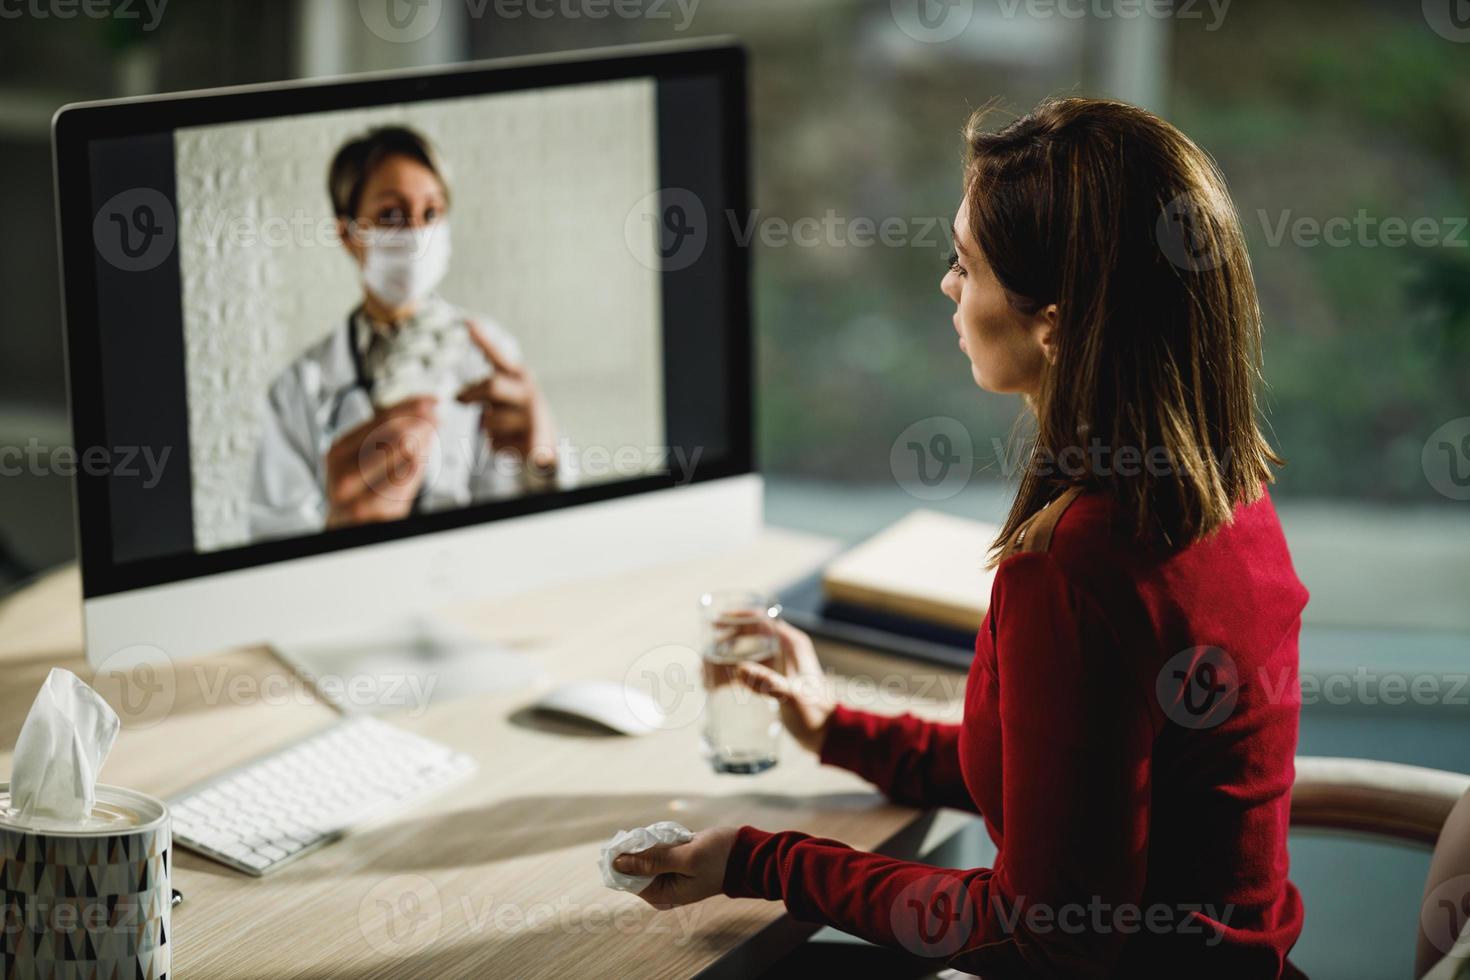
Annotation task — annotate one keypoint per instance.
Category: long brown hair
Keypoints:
(1119, 219)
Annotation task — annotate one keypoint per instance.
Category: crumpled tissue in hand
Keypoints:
(61, 748)
(633, 841)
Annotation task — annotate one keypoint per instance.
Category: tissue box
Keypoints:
(91, 899)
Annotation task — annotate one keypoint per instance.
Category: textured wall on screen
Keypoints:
(541, 184)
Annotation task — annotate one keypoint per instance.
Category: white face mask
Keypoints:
(403, 266)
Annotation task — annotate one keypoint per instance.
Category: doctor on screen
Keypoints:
(410, 404)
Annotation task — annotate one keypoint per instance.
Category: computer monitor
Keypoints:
(342, 352)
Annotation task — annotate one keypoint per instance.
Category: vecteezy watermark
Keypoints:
(386, 461)
(937, 21)
(664, 687)
(834, 230)
(405, 914)
(408, 21)
(148, 11)
(136, 229)
(401, 915)
(667, 687)
(1364, 686)
(1363, 230)
(936, 915)
(23, 912)
(1446, 459)
(122, 462)
(1215, 10)
(933, 459)
(1445, 913)
(932, 21)
(216, 228)
(386, 690)
(1198, 688)
(669, 229)
(139, 682)
(401, 21)
(1098, 459)
(1450, 19)
(1185, 237)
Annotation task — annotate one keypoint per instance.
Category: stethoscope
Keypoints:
(361, 381)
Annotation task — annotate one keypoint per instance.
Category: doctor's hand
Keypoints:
(375, 470)
(515, 415)
(686, 873)
(799, 686)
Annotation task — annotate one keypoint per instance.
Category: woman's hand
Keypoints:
(686, 873)
(375, 470)
(515, 413)
(800, 687)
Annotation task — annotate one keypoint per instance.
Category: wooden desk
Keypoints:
(497, 878)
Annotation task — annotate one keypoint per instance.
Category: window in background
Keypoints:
(72, 53)
(1315, 111)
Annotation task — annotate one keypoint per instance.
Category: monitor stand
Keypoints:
(405, 665)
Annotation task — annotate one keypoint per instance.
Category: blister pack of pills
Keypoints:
(431, 354)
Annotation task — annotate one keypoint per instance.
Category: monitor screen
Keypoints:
(310, 318)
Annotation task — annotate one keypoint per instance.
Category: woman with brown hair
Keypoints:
(1131, 712)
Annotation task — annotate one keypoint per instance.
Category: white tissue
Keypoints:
(61, 748)
(633, 841)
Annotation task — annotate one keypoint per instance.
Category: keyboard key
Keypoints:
(268, 812)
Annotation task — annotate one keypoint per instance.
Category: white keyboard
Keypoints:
(279, 807)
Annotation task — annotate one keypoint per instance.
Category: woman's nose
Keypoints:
(949, 287)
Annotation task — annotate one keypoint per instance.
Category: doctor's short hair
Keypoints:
(359, 157)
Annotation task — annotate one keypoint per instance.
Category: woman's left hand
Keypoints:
(515, 414)
(686, 873)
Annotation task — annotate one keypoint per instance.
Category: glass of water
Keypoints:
(742, 728)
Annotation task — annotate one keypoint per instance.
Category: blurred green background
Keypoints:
(1316, 111)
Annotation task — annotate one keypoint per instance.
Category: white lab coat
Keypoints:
(322, 395)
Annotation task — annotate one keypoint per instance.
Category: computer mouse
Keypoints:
(606, 703)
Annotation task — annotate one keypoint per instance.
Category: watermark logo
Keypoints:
(407, 21)
(1363, 230)
(139, 682)
(400, 916)
(934, 458)
(1445, 915)
(671, 677)
(1446, 459)
(932, 21)
(399, 456)
(131, 10)
(1106, 10)
(1184, 236)
(833, 230)
(1450, 19)
(934, 916)
(667, 230)
(1199, 687)
(135, 230)
(143, 463)
(401, 21)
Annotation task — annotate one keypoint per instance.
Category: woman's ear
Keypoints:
(346, 233)
(1044, 329)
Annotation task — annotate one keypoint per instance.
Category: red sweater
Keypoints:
(1129, 732)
